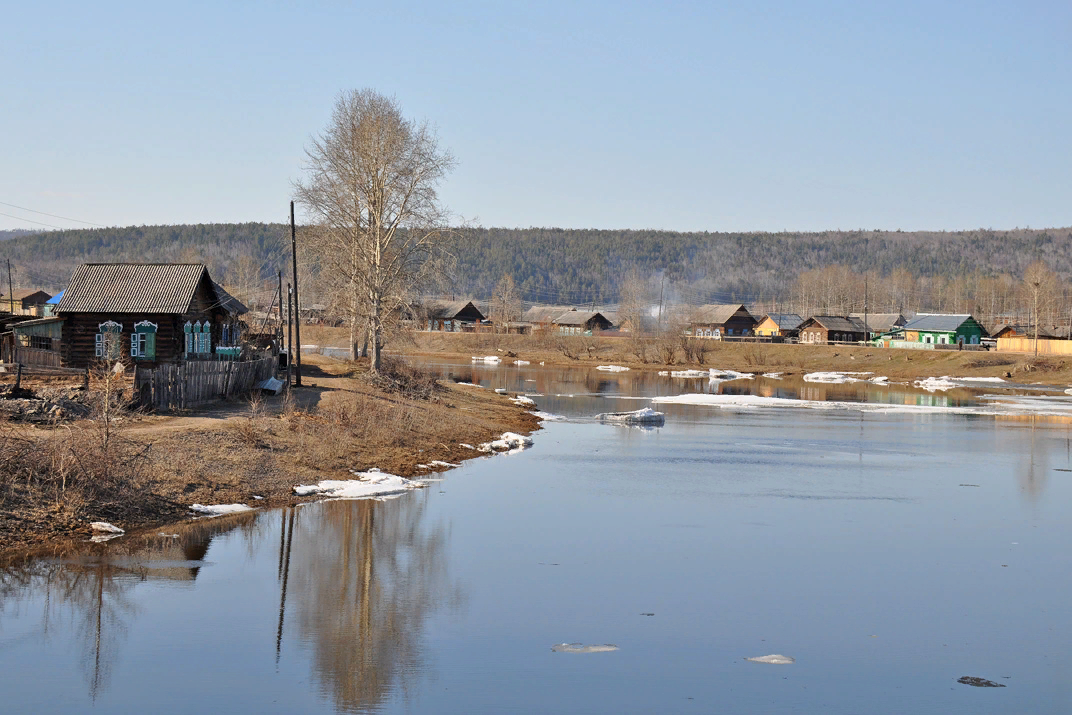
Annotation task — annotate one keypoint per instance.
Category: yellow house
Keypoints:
(784, 325)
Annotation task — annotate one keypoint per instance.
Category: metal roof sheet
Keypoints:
(840, 323)
(132, 288)
(716, 314)
(937, 322)
(880, 322)
(577, 317)
(785, 321)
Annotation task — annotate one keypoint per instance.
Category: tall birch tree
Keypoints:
(371, 189)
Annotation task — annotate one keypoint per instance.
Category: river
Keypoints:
(891, 544)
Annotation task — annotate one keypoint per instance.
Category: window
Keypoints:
(143, 341)
(106, 341)
(198, 337)
(204, 342)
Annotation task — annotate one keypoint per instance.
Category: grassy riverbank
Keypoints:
(745, 357)
(145, 471)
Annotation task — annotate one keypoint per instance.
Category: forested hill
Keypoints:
(576, 265)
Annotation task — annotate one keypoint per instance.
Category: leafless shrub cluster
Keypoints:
(695, 349)
(399, 377)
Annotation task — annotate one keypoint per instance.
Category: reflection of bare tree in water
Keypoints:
(366, 575)
(86, 596)
(1035, 469)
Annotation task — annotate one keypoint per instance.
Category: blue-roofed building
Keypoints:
(51, 303)
(944, 329)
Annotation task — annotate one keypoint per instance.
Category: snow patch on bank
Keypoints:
(509, 442)
(368, 485)
(523, 401)
(935, 384)
(220, 509)
(106, 527)
(522, 362)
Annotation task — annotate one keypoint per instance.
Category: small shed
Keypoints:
(944, 329)
(785, 325)
(580, 322)
(720, 320)
(832, 328)
(146, 313)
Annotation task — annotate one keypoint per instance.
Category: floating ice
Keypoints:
(548, 417)
(500, 390)
(935, 384)
(833, 377)
(772, 375)
(880, 380)
(367, 485)
(977, 379)
(219, 509)
(727, 375)
(508, 441)
(687, 373)
(773, 659)
(610, 368)
(106, 527)
(490, 359)
(441, 463)
(469, 384)
(579, 648)
(521, 362)
(644, 415)
(523, 401)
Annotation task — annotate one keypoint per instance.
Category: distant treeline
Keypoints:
(581, 266)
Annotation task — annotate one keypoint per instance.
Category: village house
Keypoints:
(146, 314)
(580, 322)
(455, 316)
(944, 329)
(779, 325)
(880, 323)
(832, 328)
(717, 321)
(27, 302)
(1005, 330)
(541, 317)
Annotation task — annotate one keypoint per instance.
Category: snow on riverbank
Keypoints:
(509, 442)
(368, 485)
(523, 401)
(220, 509)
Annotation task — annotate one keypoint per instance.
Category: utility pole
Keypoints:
(297, 317)
(290, 337)
(10, 290)
(280, 274)
(662, 286)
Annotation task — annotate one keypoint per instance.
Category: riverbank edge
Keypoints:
(48, 531)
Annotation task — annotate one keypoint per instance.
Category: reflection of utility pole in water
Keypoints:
(95, 681)
(284, 560)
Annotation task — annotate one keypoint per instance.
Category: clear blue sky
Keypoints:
(684, 116)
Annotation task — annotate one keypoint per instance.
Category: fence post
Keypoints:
(18, 376)
(85, 379)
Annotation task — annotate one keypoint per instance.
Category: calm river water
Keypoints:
(889, 552)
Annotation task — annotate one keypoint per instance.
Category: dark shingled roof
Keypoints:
(943, 323)
(132, 288)
(715, 314)
(784, 321)
(839, 323)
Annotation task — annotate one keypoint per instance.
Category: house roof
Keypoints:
(578, 317)
(784, 321)
(133, 288)
(937, 322)
(24, 294)
(544, 313)
(716, 314)
(840, 323)
(231, 304)
(55, 300)
(447, 310)
(880, 322)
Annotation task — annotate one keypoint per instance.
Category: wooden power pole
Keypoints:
(10, 290)
(297, 307)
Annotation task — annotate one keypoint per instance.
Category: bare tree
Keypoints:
(1040, 288)
(505, 303)
(371, 187)
(244, 279)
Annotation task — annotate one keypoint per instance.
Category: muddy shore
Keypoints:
(231, 452)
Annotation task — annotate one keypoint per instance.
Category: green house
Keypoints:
(944, 329)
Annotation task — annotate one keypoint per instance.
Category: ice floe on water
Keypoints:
(935, 384)
(437, 463)
(645, 415)
(581, 648)
(834, 377)
(521, 362)
(548, 417)
(368, 485)
(106, 527)
(509, 442)
(727, 375)
(612, 368)
(685, 373)
(219, 509)
(489, 359)
(469, 384)
(772, 375)
(523, 401)
(773, 659)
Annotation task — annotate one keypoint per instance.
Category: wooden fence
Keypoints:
(186, 384)
(1027, 345)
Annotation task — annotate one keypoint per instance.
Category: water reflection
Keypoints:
(366, 576)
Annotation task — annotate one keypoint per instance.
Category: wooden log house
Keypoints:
(146, 314)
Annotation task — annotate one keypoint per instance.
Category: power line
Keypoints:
(39, 223)
(44, 213)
